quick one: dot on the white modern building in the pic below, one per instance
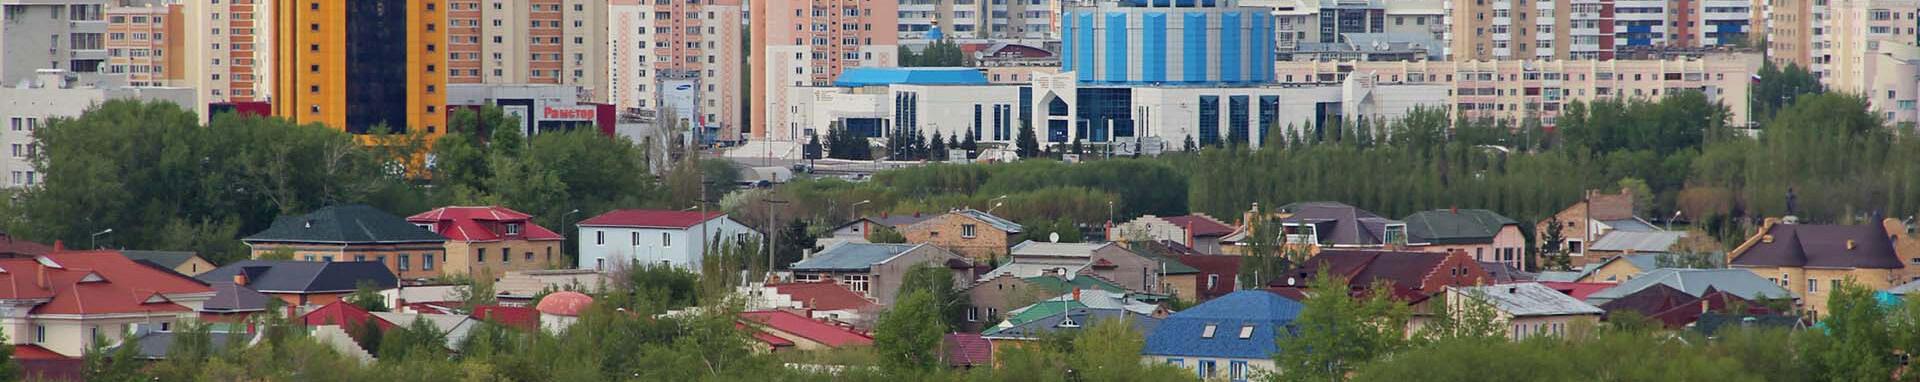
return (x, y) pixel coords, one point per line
(52, 95)
(67, 35)
(621, 238)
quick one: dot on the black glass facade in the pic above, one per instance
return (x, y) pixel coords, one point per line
(1105, 113)
(1237, 118)
(1209, 120)
(376, 63)
(1269, 115)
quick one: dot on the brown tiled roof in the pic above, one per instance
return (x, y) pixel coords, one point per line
(1405, 270)
(1820, 246)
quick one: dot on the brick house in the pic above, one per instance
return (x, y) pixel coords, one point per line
(1812, 260)
(971, 233)
(1588, 220)
(990, 299)
(60, 300)
(876, 271)
(491, 240)
(1483, 234)
(1413, 276)
(1197, 231)
(1134, 271)
(355, 233)
(303, 283)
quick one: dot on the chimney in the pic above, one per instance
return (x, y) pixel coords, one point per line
(1766, 239)
(1076, 294)
(59, 246)
(240, 278)
(40, 271)
(1454, 209)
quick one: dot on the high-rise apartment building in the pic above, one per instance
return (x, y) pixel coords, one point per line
(683, 57)
(1521, 29)
(230, 58)
(808, 42)
(52, 34)
(144, 43)
(1857, 29)
(1792, 31)
(1315, 21)
(982, 19)
(529, 42)
(353, 65)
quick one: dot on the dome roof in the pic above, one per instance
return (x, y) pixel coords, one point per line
(565, 303)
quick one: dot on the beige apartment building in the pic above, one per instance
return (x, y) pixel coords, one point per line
(231, 57)
(1482, 30)
(560, 42)
(808, 42)
(678, 56)
(144, 43)
(1522, 90)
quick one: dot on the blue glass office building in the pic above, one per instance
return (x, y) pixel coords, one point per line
(1168, 42)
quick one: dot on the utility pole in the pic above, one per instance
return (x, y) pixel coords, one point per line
(773, 234)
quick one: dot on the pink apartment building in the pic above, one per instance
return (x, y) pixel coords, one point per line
(809, 42)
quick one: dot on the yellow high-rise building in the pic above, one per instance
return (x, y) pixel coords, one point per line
(353, 65)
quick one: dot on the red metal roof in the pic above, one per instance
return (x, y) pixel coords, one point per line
(343, 314)
(10, 245)
(93, 282)
(824, 333)
(650, 219)
(823, 295)
(522, 318)
(35, 352)
(482, 223)
(1227, 267)
(769, 339)
(1578, 291)
(1200, 225)
(967, 349)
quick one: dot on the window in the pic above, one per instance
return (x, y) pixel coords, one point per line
(1206, 369)
(309, 258)
(967, 230)
(1212, 280)
(666, 240)
(1237, 370)
(480, 255)
(1207, 332)
(405, 262)
(39, 333)
(599, 237)
(973, 314)
(426, 261)
(1813, 286)
(506, 255)
(1177, 362)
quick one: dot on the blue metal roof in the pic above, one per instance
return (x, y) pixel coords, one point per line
(1181, 334)
(858, 77)
(850, 257)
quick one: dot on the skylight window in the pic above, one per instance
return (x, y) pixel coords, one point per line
(1246, 331)
(1207, 332)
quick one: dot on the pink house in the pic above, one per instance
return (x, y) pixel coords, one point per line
(1484, 235)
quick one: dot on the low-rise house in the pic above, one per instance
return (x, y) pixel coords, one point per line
(1527, 309)
(1503, 273)
(354, 233)
(1619, 243)
(518, 288)
(1413, 276)
(185, 262)
(966, 351)
(303, 283)
(1619, 268)
(1092, 299)
(1233, 337)
(233, 302)
(972, 233)
(154, 345)
(1070, 321)
(1695, 282)
(60, 301)
(821, 300)
(1317, 225)
(622, 238)
(989, 298)
(1135, 271)
(489, 241)
(1675, 309)
(343, 315)
(858, 230)
(1812, 260)
(452, 327)
(802, 332)
(1197, 231)
(559, 310)
(876, 271)
(1590, 219)
(1483, 234)
(1219, 275)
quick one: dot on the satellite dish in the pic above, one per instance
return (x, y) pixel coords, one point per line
(1289, 281)
(1053, 237)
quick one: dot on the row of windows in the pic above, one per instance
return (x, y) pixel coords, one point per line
(1206, 369)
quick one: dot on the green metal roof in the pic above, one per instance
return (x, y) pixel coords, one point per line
(1455, 226)
(346, 224)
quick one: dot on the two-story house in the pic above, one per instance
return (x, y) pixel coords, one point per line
(302, 283)
(60, 301)
(1486, 235)
(1200, 232)
(1526, 309)
(971, 233)
(491, 240)
(621, 238)
(1313, 226)
(1233, 337)
(877, 270)
(1592, 218)
(355, 233)
(1414, 277)
(1812, 260)
(1134, 271)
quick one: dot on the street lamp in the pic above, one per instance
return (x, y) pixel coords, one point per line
(1676, 215)
(855, 214)
(95, 237)
(563, 235)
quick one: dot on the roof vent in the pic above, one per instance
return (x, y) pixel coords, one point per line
(1513, 290)
(308, 224)
(1766, 239)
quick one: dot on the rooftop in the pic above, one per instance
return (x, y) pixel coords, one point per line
(1529, 300)
(873, 76)
(824, 333)
(1456, 226)
(345, 224)
(93, 282)
(1819, 246)
(1638, 241)
(1339, 224)
(1242, 325)
(1695, 282)
(482, 224)
(823, 295)
(851, 257)
(650, 219)
(298, 277)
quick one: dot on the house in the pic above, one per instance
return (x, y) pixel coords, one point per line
(1317, 225)
(1070, 321)
(1579, 291)
(1619, 268)
(1528, 309)
(233, 302)
(354, 233)
(971, 233)
(1676, 309)
(518, 288)
(1076, 299)
(876, 271)
(1413, 276)
(1219, 275)
(517, 317)
(489, 241)
(559, 310)
(1483, 234)
(1812, 260)
(821, 300)
(966, 351)
(153, 345)
(1503, 273)
(621, 238)
(1590, 219)
(1695, 282)
(61, 300)
(857, 230)
(1619, 243)
(1197, 231)
(453, 327)
(1005, 292)
(344, 315)
(804, 333)
(1232, 337)
(1133, 270)
(185, 262)
(303, 283)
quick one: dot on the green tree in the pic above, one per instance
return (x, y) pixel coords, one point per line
(936, 280)
(1469, 318)
(885, 235)
(1642, 195)
(367, 296)
(1857, 346)
(10, 369)
(1554, 258)
(420, 338)
(795, 241)
(1109, 350)
(1027, 144)
(908, 336)
(1336, 333)
(106, 361)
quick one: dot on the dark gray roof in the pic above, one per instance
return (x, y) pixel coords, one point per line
(1339, 224)
(1630, 225)
(288, 276)
(154, 345)
(169, 259)
(230, 297)
(850, 257)
(349, 224)
(1456, 226)
(1695, 282)
(1820, 246)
